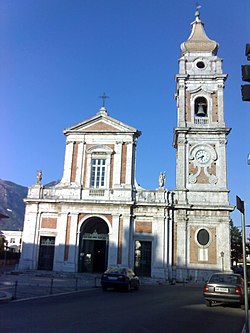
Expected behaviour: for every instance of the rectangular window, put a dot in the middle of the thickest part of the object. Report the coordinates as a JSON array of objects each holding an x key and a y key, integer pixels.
[
  {"x": 12, "y": 240},
  {"x": 98, "y": 168}
]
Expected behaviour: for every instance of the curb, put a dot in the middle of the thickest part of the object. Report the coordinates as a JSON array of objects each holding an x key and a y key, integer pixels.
[{"x": 5, "y": 297}]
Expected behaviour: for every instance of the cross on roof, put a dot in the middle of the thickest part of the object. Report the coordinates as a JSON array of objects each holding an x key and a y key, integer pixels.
[{"x": 103, "y": 97}]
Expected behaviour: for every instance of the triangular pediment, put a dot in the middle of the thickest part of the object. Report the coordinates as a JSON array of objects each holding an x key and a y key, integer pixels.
[
  {"x": 102, "y": 126},
  {"x": 101, "y": 123}
]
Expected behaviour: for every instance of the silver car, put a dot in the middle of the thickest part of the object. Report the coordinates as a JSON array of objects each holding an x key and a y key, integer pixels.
[{"x": 224, "y": 288}]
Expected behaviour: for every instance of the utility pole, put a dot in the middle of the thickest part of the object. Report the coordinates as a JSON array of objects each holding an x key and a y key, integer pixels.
[{"x": 240, "y": 207}]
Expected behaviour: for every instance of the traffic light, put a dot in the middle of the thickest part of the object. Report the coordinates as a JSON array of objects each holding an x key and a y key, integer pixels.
[{"x": 245, "y": 71}]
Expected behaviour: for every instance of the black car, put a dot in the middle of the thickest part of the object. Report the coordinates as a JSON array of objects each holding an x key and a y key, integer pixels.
[
  {"x": 122, "y": 278},
  {"x": 224, "y": 288}
]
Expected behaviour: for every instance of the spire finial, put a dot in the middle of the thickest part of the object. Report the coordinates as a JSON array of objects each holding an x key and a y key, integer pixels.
[
  {"x": 103, "y": 97},
  {"x": 197, "y": 12}
]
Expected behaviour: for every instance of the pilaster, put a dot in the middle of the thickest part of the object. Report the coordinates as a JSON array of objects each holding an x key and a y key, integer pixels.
[
  {"x": 79, "y": 166},
  {"x": 181, "y": 161},
  {"x": 129, "y": 162},
  {"x": 126, "y": 240},
  {"x": 73, "y": 248},
  {"x": 117, "y": 163},
  {"x": 60, "y": 242},
  {"x": 67, "y": 162},
  {"x": 113, "y": 241}
]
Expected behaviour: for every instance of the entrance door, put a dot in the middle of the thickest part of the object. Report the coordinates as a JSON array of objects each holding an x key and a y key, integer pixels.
[
  {"x": 93, "y": 258},
  {"x": 142, "y": 258},
  {"x": 46, "y": 253},
  {"x": 93, "y": 246}
]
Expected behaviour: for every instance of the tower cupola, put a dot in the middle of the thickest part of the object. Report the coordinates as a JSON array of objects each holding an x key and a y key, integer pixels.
[{"x": 198, "y": 40}]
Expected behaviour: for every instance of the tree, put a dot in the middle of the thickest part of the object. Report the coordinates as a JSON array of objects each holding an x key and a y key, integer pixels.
[{"x": 236, "y": 244}]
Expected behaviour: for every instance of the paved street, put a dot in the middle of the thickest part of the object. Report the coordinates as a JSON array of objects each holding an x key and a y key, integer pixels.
[{"x": 161, "y": 308}]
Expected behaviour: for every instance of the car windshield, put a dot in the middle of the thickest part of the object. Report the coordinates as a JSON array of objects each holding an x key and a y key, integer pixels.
[
  {"x": 231, "y": 279},
  {"x": 116, "y": 270}
]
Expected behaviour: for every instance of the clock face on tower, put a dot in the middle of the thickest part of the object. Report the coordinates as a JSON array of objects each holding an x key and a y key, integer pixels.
[{"x": 202, "y": 156}]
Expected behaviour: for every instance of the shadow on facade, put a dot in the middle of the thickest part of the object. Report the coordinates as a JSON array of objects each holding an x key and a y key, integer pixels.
[
  {"x": 144, "y": 253},
  {"x": 93, "y": 253}
]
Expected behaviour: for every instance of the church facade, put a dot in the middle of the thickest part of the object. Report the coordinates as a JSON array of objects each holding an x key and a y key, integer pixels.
[{"x": 97, "y": 216}]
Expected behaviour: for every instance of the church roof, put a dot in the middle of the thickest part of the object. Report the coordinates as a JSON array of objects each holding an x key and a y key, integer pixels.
[
  {"x": 198, "y": 40},
  {"x": 101, "y": 122}
]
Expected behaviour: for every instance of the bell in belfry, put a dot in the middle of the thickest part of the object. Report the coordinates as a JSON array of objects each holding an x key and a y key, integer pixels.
[{"x": 201, "y": 110}]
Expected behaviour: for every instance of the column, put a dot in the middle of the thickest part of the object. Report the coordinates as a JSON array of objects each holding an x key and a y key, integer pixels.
[
  {"x": 60, "y": 242},
  {"x": 126, "y": 240},
  {"x": 129, "y": 163},
  {"x": 117, "y": 163},
  {"x": 181, "y": 103},
  {"x": 79, "y": 166},
  {"x": 30, "y": 246},
  {"x": 67, "y": 162},
  {"x": 73, "y": 245},
  {"x": 181, "y": 163},
  {"x": 113, "y": 241},
  {"x": 220, "y": 102}
]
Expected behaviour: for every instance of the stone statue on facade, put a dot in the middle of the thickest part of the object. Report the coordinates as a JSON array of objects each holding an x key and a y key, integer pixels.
[
  {"x": 39, "y": 177},
  {"x": 162, "y": 178}
]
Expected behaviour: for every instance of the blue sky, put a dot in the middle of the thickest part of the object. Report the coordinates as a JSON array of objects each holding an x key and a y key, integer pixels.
[{"x": 58, "y": 56}]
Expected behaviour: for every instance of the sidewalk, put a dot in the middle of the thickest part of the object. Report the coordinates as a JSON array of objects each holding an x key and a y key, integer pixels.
[
  {"x": 15, "y": 285},
  {"x": 5, "y": 297},
  {"x": 23, "y": 285}
]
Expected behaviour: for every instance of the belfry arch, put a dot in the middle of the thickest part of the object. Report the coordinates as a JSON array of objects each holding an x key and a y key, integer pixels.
[{"x": 93, "y": 245}]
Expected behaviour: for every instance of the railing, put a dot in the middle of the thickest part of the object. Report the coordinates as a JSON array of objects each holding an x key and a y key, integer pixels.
[
  {"x": 96, "y": 192},
  {"x": 150, "y": 196},
  {"x": 201, "y": 121},
  {"x": 79, "y": 193},
  {"x": 28, "y": 286}
]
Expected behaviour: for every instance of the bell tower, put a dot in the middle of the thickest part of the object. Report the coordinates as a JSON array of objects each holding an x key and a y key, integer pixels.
[{"x": 202, "y": 215}]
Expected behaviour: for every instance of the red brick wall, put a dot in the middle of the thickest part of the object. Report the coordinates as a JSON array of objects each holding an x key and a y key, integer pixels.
[
  {"x": 49, "y": 223},
  {"x": 67, "y": 237},
  {"x": 74, "y": 162},
  {"x": 123, "y": 163}
]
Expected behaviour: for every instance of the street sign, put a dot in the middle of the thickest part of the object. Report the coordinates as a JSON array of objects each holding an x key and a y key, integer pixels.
[{"x": 240, "y": 204}]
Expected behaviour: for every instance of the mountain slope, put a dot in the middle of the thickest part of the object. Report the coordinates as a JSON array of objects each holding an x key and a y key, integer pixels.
[{"x": 12, "y": 204}]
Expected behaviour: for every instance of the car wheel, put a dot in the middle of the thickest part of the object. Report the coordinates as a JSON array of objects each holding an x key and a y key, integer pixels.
[
  {"x": 104, "y": 288},
  {"x": 242, "y": 306},
  {"x": 137, "y": 286},
  {"x": 128, "y": 287},
  {"x": 208, "y": 303}
]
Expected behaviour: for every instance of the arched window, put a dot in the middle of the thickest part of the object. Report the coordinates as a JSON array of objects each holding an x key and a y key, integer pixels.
[{"x": 200, "y": 107}]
